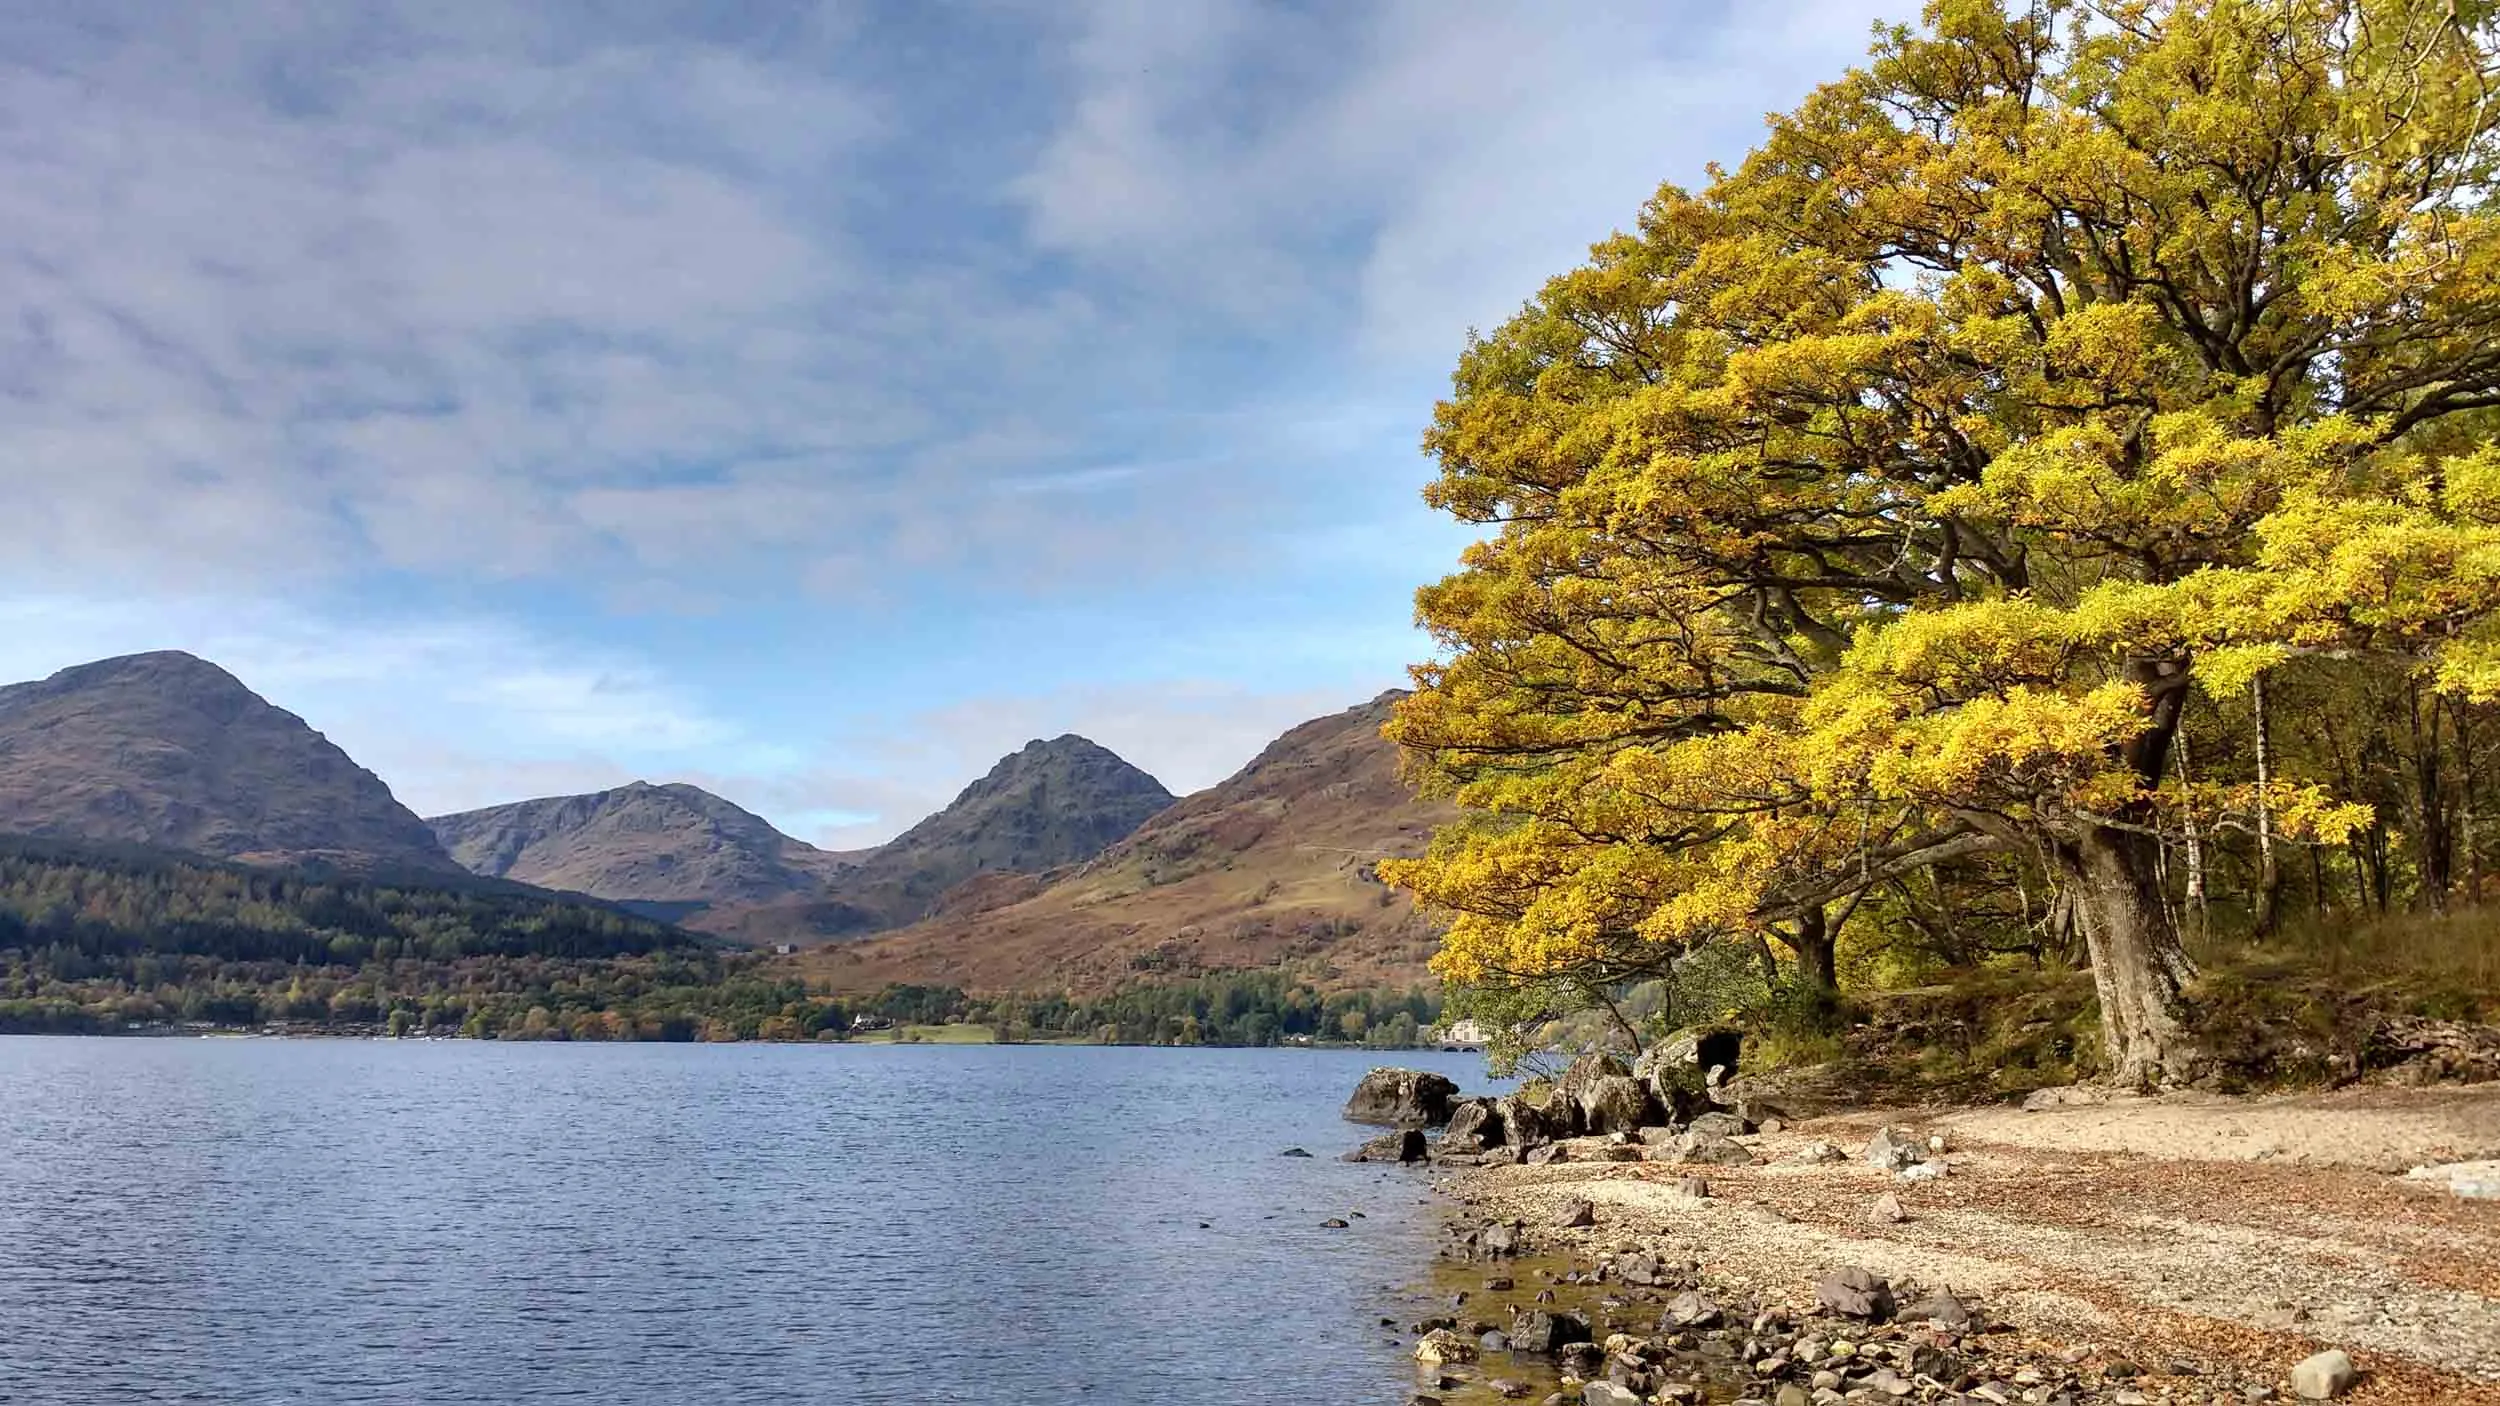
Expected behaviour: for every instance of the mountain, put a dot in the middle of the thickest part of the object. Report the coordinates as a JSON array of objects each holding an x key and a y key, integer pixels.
[
  {"x": 1055, "y": 803},
  {"x": 1273, "y": 865},
  {"x": 169, "y": 750},
  {"x": 674, "y": 851}
]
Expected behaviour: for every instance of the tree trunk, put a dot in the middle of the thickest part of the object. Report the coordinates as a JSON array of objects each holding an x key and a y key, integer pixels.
[
  {"x": 2434, "y": 834},
  {"x": 1817, "y": 955},
  {"x": 2138, "y": 964},
  {"x": 2195, "y": 847},
  {"x": 2269, "y": 879},
  {"x": 2467, "y": 840}
]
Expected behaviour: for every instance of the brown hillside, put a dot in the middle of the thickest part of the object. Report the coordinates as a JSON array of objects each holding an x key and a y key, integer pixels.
[
  {"x": 1274, "y": 865},
  {"x": 1054, "y": 803},
  {"x": 169, "y": 750},
  {"x": 676, "y": 850}
]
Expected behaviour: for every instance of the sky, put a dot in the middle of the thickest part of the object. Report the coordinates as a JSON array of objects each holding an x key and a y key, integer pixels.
[{"x": 813, "y": 402}]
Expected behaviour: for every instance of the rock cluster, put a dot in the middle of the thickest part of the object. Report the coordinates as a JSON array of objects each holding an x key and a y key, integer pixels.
[
  {"x": 1661, "y": 1109},
  {"x": 1642, "y": 1329}
]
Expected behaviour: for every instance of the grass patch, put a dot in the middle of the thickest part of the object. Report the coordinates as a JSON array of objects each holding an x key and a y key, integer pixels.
[
  {"x": 2299, "y": 1010},
  {"x": 1979, "y": 1037},
  {"x": 932, "y": 1035},
  {"x": 2439, "y": 966}
]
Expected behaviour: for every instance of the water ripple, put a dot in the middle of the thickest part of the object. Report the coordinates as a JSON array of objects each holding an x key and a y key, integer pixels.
[{"x": 233, "y": 1221}]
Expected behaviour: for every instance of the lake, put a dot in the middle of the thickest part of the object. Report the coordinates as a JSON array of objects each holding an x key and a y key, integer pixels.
[{"x": 223, "y": 1220}]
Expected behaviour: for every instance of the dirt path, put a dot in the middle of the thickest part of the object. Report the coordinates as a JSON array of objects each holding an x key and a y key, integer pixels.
[{"x": 2231, "y": 1236}]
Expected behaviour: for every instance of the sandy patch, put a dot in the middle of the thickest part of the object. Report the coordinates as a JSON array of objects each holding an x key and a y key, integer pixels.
[{"x": 2233, "y": 1237}]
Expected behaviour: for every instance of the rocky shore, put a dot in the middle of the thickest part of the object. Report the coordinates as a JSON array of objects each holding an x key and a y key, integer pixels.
[{"x": 1698, "y": 1244}]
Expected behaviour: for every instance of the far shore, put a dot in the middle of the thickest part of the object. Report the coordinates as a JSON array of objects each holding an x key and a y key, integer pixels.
[{"x": 966, "y": 1034}]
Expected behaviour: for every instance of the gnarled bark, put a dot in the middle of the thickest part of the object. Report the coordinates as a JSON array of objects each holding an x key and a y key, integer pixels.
[
  {"x": 1816, "y": 944},
  {"x": 2139, "y": 966}
]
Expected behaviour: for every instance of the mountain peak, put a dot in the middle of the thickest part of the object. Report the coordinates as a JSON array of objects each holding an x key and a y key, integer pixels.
[
  {"x": 1076, "y": 772},
  {"x": 168, "y": 749},
  {"x": 1274, "y": 864},
  {"x": 670, "y": 844},
  {"x": 160, "y": 668}
]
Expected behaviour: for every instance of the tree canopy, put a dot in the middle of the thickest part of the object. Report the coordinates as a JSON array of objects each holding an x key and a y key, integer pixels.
[{"x": 1884, "y": 505}]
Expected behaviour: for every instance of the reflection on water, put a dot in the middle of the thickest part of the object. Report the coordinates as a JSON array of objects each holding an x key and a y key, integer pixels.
[{"x": 279, "y": 1221}]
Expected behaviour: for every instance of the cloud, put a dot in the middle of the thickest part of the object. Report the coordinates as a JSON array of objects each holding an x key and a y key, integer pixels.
[
  {"x": 682, "y": 307},
  {"x": 452, "y": 712},
  {"x": 503, "y": 304},
  {"x": 432, "y": 364},
  {"x": 1426, "y": 167}
]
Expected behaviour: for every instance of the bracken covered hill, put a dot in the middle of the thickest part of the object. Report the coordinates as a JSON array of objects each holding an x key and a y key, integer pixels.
[{"x": 1272, "y": 866}]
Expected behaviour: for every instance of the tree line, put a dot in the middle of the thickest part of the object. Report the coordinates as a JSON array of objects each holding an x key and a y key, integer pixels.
[{"x": 102, "y": 940}]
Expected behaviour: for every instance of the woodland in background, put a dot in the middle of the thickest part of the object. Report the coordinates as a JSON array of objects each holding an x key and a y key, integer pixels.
[{"x": 104, "y": 940}]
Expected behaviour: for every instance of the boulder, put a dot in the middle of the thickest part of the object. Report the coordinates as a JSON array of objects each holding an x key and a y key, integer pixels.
[
  {"x": 1543, "y": 1331},
  {"x": 1472, "y": 1118},
  {"x": 1401, "y": 1098},
  {"x": 1577, "y": 1212},
  {"x": 1886, "y": 1211},
  {"x": 1854, "y": 1293},
  {"x": 1940, "y": 1308},
  {"x": 1690, "y": 1310},
  {"x": 1615, "y": 1103},
  {"x": 1724, "y": 1124},
  {"x": 1442, "y": 1345},
  {"x": 1640, "y": 1269},
  {"x": 1692, "y": 1189},
  {"x": 1521, "y": 1124},
  {"x": 1701, "y": 1049},
  {"x": 1608, "y": 1394},
  {"x": 1407, "y": 1146},
  {"x": 1499, "y": 1240},
  {"x": 1559, "y": 1113},
  {"x": 2324, "y": 1377},
  {"x": 1294, "y": 1152},
  {"x": 1711, "y": 1150},
  {"x": 1587, "y": 1070}
]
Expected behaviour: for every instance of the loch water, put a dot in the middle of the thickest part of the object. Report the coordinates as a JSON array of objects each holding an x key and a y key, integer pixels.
[{"x": 304, "y": 1221}]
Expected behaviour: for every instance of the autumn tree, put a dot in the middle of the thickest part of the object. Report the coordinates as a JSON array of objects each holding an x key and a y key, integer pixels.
[{"x": 1882, "y": 506}]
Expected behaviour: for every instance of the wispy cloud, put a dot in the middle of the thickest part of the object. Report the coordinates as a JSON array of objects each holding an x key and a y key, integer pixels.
[
  {"x": 454, "y": 713},
  {"x": 854, "y": 329}
]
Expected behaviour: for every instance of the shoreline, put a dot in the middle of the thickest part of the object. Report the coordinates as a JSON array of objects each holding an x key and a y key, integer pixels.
[
  {"x": 2124, "y": 1251},
  {"x": 879, "y": 1038}
]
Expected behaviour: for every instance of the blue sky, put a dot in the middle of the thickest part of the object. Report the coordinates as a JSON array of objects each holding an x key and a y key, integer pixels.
[{"x": 813, "y": 402}]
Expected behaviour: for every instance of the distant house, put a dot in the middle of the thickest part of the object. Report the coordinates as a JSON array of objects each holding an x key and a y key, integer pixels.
[
  {"x": 1458, "y": 1035},
  {"x": 784, "y": 949}
]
